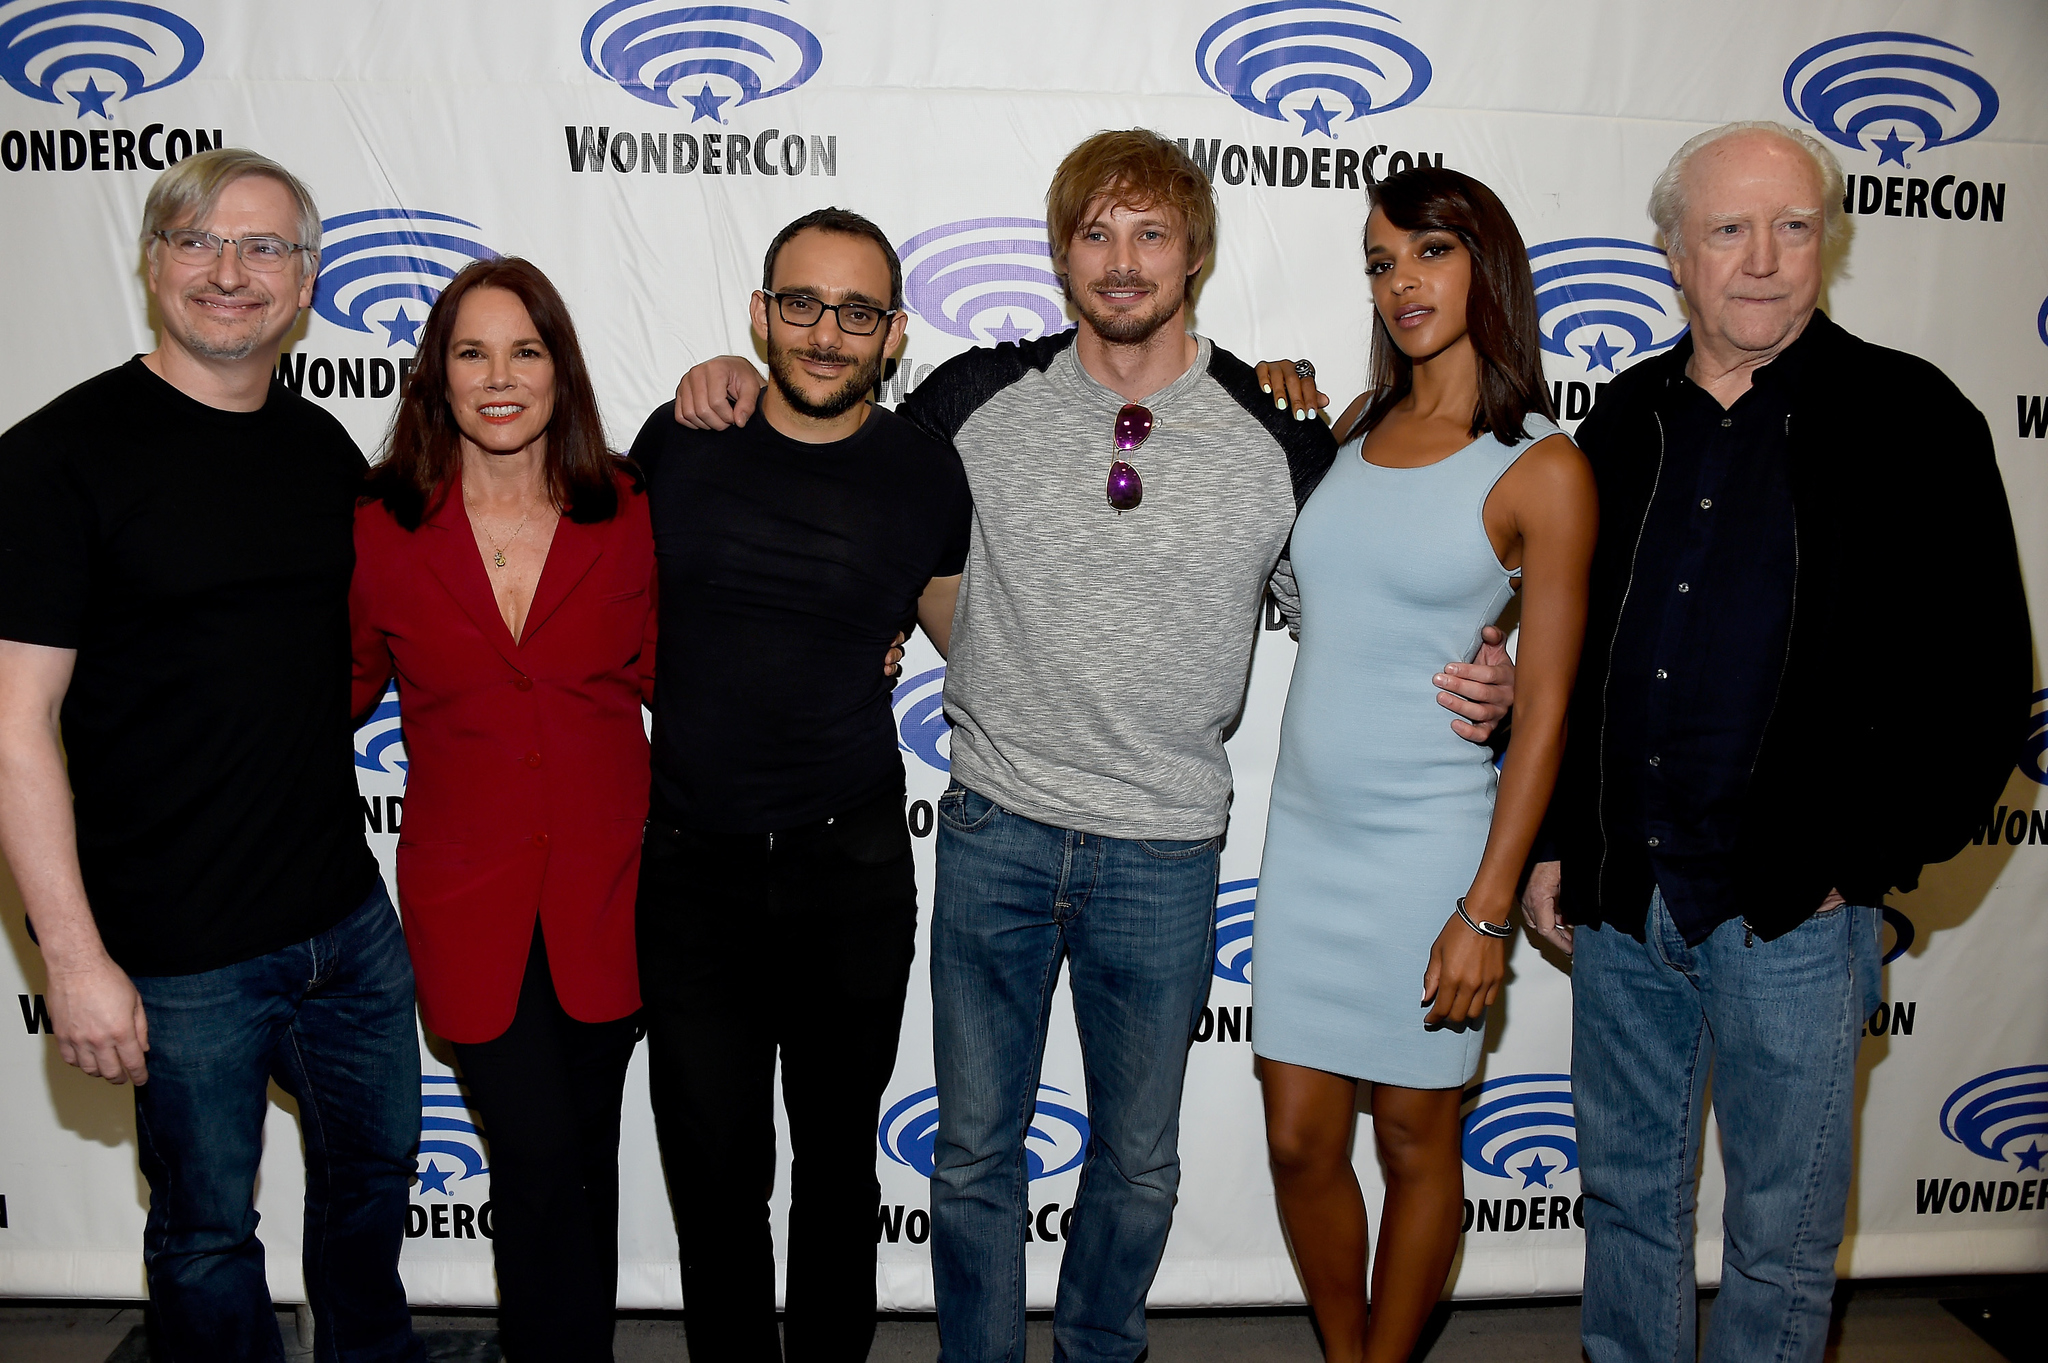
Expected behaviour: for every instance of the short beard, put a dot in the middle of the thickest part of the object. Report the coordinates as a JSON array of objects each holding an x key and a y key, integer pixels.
[
  {"x": 211, "y": 350},
  {"x": 1128, "y": 328},
  {"x": 850, "y": 393}
]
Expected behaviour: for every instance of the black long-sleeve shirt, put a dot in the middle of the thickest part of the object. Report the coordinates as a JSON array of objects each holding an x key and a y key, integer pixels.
[{"x": 1701, "y": 643}]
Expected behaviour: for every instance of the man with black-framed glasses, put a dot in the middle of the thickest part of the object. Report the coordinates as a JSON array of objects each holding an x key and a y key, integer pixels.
[{"x": 777, "y": 907}]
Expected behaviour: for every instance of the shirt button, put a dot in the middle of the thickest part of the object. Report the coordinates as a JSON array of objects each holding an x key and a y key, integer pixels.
[
  {"x": 1685, "y": 586},
  {"x": 533, "y": 759},
  {"x": 1653, "y": 842},
  {"x": 1662, "y": 675},
  {"x": 1726, "y": 422},
  {"x": 1656, "y": 761},
  {"x": 523, "y": 684},
  {"x": 540, "y": 840},
  {"x": 1706, "y": 503}
]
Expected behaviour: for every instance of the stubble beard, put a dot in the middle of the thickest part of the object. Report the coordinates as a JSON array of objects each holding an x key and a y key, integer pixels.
[
  {"x": 237, "y": 346},
  {"x": 853, "y": 390},
  {"x": 1133, "y": 327}
]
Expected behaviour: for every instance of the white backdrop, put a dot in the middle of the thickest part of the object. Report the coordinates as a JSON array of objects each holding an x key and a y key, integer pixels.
[{"x": 646, "y": 172}]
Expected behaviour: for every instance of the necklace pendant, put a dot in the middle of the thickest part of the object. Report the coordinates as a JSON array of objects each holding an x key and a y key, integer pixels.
[{"x": 500, "y": 559}]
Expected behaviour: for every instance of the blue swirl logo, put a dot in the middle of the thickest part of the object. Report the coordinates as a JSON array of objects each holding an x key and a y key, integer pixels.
[
  {"x": 447, "y": 1128},
  {"x": 986, "y": 280},
  {"x": 1056, "y": 1141},
  {"x": 373, "y": 263},
  {"x": 1282, "y": 59},
  {"x": 730, "y": 54},
  {"x": 1235, "y": 902},
  {"x": 1850, "y": 87},
  {"x": 380, "y": 743},
  {"x": 1603, "y": 299},
  {"x": 1522, "y": 1114},
  {"x": 1902, "y": 933},
  {"x": 919, "y": 703},
  {"x": 1994, "y": 1112},
  {"x": 2034, "y": 752},
  {"x": 137, "y": 47}
]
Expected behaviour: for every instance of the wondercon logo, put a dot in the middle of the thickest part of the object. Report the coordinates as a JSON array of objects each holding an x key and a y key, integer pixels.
[
  {"x": 374, "y": 263},
  {"x": 1056, "y": 1142},
  {"x": 2034, "y": 752},
  {"x": 919, "y": 703},
  {"x": 137, "y": 48},
  {"x": 1604, "y": 299},
  {"x": 1283, "y": 59},
  {"x": 1235, "y": 900},
  {"x": 1994, "y": 1112},
  {"x": 699, "y": 57},
  {"x": 1522, "y": 1114},
  {"x": 380, "y": 743},
  {"x": 447, "y": 1128},
  {"x": 1850, "y": 87},
  {"x": 987, "y": 280}
]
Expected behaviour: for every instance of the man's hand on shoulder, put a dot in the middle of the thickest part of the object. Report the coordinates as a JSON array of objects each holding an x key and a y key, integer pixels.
[
  {"x": 98, "y": 1021},
  {"x": 1480, "y": 692},
  {"x": 718, "y": 393}
]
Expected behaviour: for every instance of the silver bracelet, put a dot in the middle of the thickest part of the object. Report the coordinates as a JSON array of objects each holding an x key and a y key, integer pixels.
[{"x": 1494, "y": 930}]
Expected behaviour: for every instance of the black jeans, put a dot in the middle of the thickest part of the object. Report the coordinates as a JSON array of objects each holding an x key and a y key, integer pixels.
[
  {"x": 800, "y": 943},
  {"x": 548, "y": 1091}
]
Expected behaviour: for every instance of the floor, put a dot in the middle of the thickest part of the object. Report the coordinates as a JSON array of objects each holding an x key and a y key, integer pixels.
[{"x": 1916, "y": 1321}]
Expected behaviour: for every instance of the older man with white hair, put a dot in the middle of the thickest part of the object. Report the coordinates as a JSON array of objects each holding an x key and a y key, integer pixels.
[{"x": 1776, "y": 496}]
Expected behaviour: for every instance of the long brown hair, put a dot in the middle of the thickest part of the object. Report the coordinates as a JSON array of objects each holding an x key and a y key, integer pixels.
[
  {"x": 424, "y": 452},
  {"x": 1500, "y": 307}
]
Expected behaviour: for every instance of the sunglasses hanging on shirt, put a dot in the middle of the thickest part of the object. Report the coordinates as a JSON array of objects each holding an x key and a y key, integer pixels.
[{"x": 1126, "y": 488}]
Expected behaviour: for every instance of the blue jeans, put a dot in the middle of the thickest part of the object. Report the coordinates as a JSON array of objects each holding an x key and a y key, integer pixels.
[
  {"x": 1776, "y": 1024},
  {"x": 331, "y": 1019},
  {"x": 1135, "y": 922}
]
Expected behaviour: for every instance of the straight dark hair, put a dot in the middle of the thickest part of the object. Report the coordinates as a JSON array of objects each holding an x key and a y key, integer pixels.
[
  {"x": 423, "y": 454},
  {"x": 1500, "y": 307}
]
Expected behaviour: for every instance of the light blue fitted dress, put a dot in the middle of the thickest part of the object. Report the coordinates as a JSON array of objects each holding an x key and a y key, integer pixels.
[{"x": 1380, "y": 812}]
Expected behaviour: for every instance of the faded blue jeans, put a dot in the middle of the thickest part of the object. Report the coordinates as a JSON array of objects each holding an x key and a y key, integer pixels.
[
  {"x": 331, "y": 1019},
  {"x": 1776, "y": 1025},
  {"x": 1135, "y": 923}
]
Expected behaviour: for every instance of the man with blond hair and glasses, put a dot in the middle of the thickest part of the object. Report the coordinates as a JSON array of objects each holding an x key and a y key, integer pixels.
[
  {"x": 175, "y": 548},
  {"x": 1133, "y": 492}
]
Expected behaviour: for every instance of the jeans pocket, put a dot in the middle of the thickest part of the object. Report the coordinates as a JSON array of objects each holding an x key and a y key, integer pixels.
[
  {"x": 965, "y": 811},
  {"x": 1167, "y": 850}
]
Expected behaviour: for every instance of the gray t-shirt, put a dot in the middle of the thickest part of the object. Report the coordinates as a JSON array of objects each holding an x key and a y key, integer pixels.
[{"x": 1098, "y": 658}]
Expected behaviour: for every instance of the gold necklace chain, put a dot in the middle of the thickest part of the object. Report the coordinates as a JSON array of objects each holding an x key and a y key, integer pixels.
[{"x": 498, "y": 554}]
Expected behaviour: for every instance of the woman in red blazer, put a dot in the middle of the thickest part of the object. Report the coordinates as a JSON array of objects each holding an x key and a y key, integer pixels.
[{"x": 505, "y": 575}]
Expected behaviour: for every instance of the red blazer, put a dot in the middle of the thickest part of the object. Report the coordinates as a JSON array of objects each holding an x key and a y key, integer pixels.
[{"x": 526, "y": 791}]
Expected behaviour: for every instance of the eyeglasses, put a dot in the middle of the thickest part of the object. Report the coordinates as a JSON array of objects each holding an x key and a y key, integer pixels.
[
  {"x": 855, "y": 319},
  {"x": 1126, "y": 488},
  {"x": 266, "y": 254}
]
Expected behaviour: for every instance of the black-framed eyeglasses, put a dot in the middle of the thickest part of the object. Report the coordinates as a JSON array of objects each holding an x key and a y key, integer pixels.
[
  {"x": 855, "y": 319},
  {"x": 263, "y": 253}
]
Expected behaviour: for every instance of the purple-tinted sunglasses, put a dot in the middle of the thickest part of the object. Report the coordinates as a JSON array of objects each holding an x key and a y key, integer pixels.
[{"x": 1126, "y": 489}]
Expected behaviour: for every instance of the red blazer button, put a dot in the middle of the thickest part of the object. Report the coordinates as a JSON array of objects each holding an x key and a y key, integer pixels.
[
  {"x": 533, "y": 759},
  {"x": 524, "y": 684}
]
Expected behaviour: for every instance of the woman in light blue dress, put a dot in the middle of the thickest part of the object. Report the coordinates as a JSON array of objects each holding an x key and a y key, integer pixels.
[{"x": 1394, "y": 848}]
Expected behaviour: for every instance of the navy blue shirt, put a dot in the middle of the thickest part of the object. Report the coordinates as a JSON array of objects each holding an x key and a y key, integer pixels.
[{"x": 1701, "y": 645}]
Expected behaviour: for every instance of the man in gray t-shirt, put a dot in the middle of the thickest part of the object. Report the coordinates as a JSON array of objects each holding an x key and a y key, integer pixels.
[{"x": 1099, "y": 653}]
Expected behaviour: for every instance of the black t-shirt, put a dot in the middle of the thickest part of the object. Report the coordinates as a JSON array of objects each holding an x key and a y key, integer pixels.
[
  {"x": 785, "y": 570},
  {"x": 198, "y": 560}
]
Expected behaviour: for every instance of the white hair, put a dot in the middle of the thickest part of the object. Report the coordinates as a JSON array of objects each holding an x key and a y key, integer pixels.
[
  {"x": 187, "y": 192},
  {"x": 1667, "y": 196}
]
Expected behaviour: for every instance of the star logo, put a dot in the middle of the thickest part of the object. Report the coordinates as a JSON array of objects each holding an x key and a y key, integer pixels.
[
  {"x": 1600, "y": 354},
  {"x": 1009, "y": 330},
  {"x": 92, "y": 99},
  {"x": 2030, "y": 1158},
  {"x": 1316, "y": 119},
  {"x": 403, "y": 329},
  {"x": 1891, "y": 147},
  {"x": 434, "y": 1179},
  {"x": 1536, "y": 1174},
  {"x": 704, "y": 104}
]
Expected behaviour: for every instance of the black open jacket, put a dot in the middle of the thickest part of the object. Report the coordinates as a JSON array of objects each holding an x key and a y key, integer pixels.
[{"x": 1909, "y": 667}]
